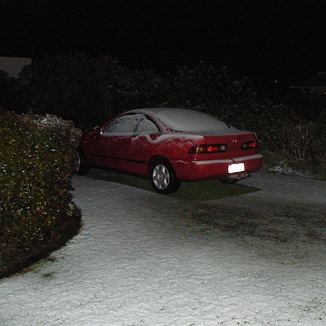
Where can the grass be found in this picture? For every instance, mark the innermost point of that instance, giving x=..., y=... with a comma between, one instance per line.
x=201, y=190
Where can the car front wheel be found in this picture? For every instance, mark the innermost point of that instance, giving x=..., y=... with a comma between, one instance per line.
x=80, y=165
x=163, y=178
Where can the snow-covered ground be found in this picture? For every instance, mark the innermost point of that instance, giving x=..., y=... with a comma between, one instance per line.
x=139, y=260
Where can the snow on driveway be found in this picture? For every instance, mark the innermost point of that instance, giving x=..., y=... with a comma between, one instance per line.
x=138, y=261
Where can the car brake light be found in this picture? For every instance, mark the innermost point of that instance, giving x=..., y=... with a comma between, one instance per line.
x=207, y=148
x=249, y=144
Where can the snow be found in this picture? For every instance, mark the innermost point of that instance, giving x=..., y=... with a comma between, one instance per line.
x=139, y=261
x=190, y=121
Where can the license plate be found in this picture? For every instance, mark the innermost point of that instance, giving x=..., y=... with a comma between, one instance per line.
x=238, y=167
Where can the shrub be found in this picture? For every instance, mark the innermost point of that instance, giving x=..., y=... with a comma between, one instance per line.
x=91, y=90
x=36, y=155
x=208, y=88
x=296, y=139
x=299, y=143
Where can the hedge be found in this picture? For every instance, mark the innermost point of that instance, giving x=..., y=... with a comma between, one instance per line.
x=36, y=156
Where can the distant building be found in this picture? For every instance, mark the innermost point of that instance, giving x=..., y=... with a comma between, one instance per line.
x=313, y=86
x=13, y=66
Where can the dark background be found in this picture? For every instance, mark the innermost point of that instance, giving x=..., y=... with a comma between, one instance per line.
x=265, y=40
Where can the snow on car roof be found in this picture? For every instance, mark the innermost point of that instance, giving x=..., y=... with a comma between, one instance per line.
x=190, y=121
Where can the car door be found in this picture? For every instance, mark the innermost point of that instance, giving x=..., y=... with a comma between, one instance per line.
x=113, y=143
x=143, y=144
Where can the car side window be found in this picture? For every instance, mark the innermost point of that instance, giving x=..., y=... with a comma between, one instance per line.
x=146, y=126
x=122, y=125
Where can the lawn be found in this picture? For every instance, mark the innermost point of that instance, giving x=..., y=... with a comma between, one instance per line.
x=201, y=190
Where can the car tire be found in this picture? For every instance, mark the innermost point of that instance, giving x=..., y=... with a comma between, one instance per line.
x=228, y=181
x=163, y=178
x=80, y=165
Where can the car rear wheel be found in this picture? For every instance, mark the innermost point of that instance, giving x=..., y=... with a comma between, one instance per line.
x=228, y=181
x=163, y=178
x=80, y=165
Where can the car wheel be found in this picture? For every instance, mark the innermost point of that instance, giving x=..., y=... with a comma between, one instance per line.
x=80, y=165
x=228, y=181
x=163, y=178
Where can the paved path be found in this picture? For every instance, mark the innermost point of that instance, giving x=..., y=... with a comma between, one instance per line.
x=283, y=188
x=285, y=208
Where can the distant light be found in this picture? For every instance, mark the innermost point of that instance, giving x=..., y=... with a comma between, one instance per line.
x=275, y=81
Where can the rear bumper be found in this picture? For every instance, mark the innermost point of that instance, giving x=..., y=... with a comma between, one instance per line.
x=211, y=169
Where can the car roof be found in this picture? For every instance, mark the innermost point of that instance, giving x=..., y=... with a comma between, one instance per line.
x=188, y=120
x=155, y=110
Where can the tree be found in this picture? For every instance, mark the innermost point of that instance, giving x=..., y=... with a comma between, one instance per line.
x=10, y=93
x=88, y=90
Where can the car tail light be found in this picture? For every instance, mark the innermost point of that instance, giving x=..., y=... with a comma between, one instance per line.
x=207, y=148
x=249, y=144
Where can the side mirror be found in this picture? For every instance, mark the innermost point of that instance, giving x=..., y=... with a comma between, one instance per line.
x=97, y=130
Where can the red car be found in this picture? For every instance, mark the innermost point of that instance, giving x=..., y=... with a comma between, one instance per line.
x=170, y=145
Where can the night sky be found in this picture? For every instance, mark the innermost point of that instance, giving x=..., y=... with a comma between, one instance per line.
x=264, y=40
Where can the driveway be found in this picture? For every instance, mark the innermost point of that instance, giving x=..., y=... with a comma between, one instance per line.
x=146, y=259
x=281, y=188
x=285, y=208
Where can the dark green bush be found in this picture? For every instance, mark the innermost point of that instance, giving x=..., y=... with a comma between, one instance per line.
x=85, y=89
x=36, y=155
x=209, y=88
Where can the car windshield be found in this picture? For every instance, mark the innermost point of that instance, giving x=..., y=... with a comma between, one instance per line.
x=191, y=121
x=131, y=123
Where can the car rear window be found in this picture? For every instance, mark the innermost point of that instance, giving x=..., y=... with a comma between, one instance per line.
x=191, y=121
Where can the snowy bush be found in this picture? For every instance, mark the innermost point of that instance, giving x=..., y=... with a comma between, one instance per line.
x=36, y=156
